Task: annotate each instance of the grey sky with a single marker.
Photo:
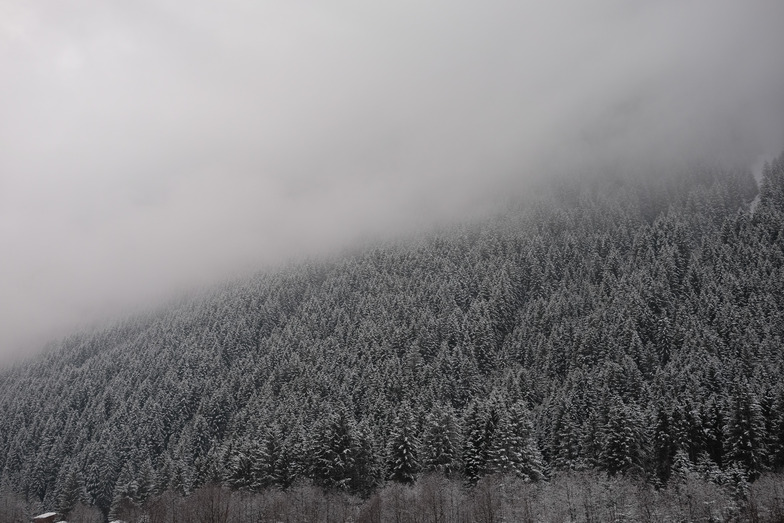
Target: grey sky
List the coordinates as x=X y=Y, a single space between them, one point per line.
x=149 y=146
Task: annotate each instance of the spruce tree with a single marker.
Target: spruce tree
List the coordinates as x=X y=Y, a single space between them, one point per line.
x=746 y=435
x=72 y=492
x=476 y=444
x=343 y=455
x=440 y=447
x=241 y=474
x=664 y=448
x=565 y=438
x=403 y=454
x=124 y=492
x=269 y=467
x=777 y=436
x=514 y=449
x=622 y=447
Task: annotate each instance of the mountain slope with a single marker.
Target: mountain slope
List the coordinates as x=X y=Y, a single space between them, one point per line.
x=631 y=326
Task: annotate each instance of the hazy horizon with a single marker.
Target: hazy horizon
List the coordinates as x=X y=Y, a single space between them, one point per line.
x=157 y=146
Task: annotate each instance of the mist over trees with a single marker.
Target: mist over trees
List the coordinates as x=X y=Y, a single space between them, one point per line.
x=623 y=331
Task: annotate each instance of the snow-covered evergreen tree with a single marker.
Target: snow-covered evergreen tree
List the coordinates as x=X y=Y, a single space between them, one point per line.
x=622 y=440
x=441 y=442
x=403 y=463
x=514 y=449
x=746 y=435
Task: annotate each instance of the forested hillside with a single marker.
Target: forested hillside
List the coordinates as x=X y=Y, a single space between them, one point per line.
x=627 y=326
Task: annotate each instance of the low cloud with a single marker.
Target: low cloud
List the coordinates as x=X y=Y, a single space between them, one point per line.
x=154 y=146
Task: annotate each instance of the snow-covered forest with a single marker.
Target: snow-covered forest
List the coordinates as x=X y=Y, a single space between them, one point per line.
x=617 y=334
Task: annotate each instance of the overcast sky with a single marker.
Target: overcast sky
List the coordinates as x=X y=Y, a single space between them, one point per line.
x=152 y=145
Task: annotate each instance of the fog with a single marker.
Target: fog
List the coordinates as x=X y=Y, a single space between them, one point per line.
x=152 y=146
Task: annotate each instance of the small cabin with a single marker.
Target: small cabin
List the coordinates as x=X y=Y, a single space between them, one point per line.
x=49 y=517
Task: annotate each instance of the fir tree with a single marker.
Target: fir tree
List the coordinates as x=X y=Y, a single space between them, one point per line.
x=441 y=442
x=622 y=448
x=339 y=454
x=664 y=448
x=746 y=435
x=477 y=444
x=403 y=453
x=514 y=449
x=242 y=465
x=72 y=492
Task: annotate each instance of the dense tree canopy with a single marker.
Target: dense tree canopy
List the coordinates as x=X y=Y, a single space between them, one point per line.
x=628 y=325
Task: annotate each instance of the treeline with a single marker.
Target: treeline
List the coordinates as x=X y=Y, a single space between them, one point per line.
x=576 y=496
x=631 y=327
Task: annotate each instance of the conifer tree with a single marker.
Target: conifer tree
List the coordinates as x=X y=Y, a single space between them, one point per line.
x=269 y=465
x=101 y=479
x=124 y=492
x=514 y=449
x=476 y=445
x=403 y=453
x=715 y=432
x=777 y=436
x=622 y=450
x=336 y=453
x=366 y=475
x=242 y=465
x=664 y=448
x=682 y=467
x=565 y=437
x=441 y=447
x=746 y=435
x=71 y=493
